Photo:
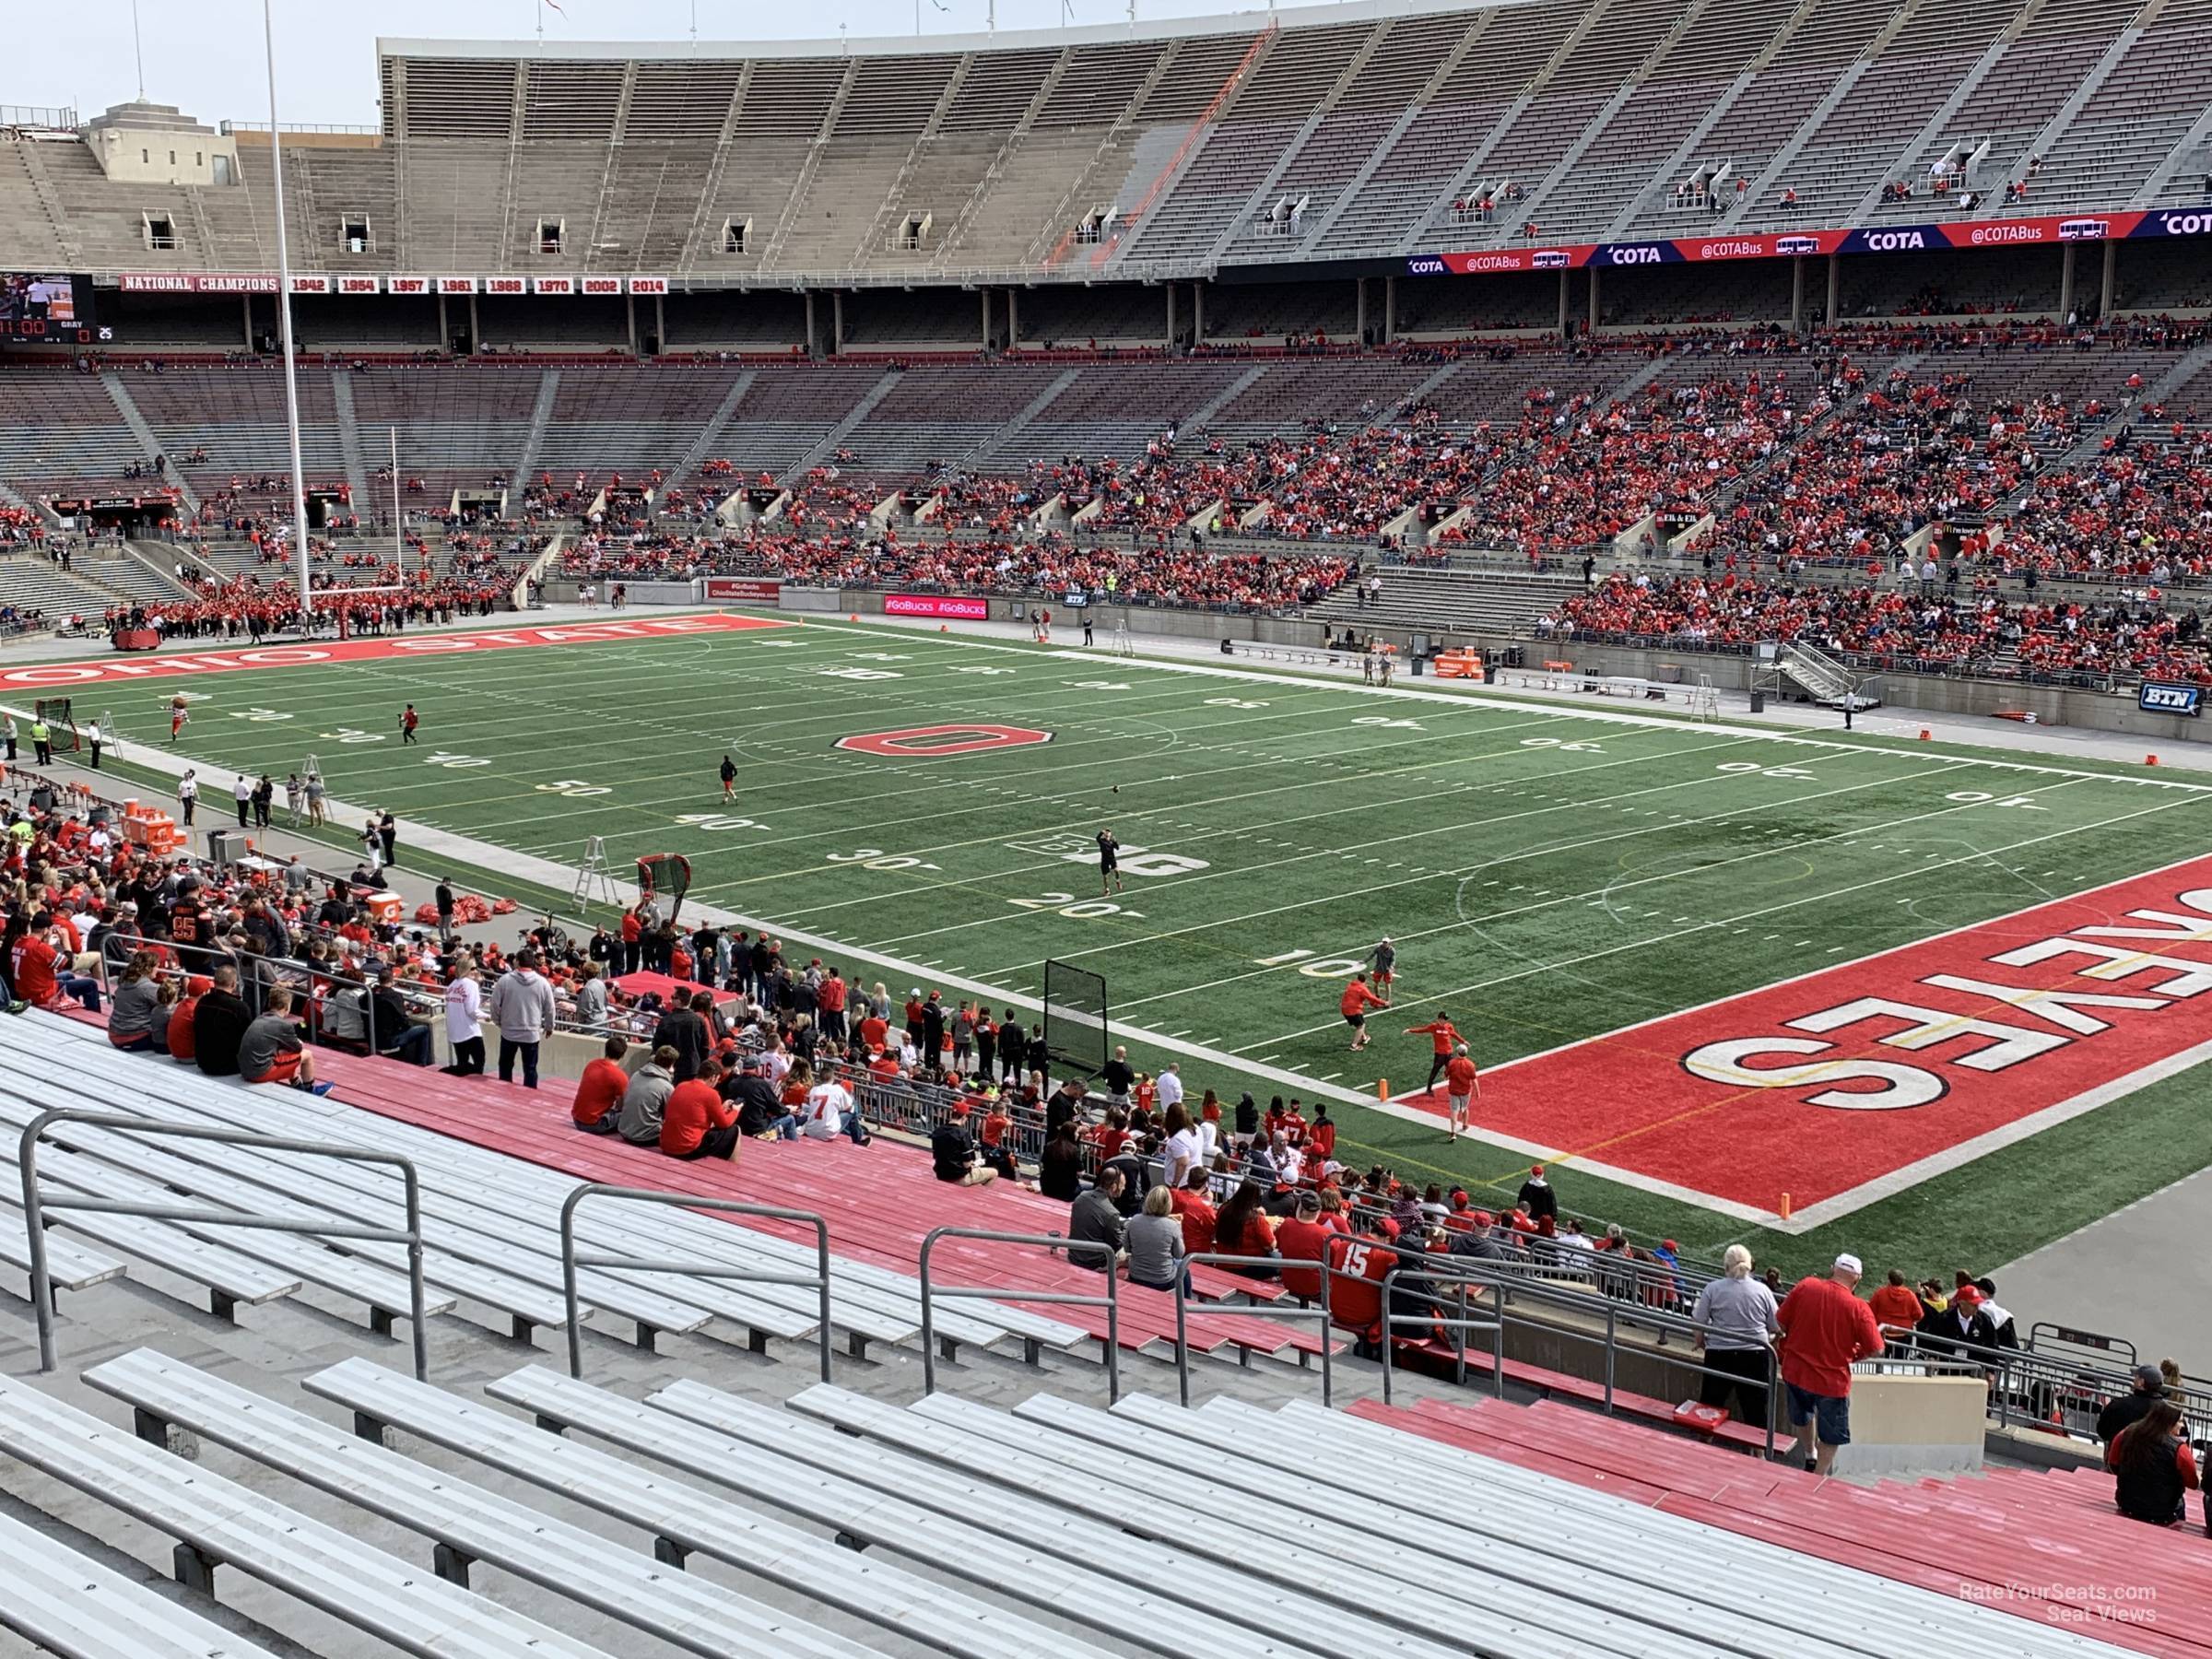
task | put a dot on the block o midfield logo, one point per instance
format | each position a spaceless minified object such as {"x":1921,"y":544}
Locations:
{"x":927,"y":742}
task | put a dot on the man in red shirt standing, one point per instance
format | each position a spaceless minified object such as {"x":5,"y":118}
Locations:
{"x":1358,"y":999}
{"x":1442,"y":1034}
{"x":1460,"y":1084}
{"x":696,"y":1123}
{"x":1825,"y":1327}
{"x":830,"y":1000}
{"x":1303,"y":1239}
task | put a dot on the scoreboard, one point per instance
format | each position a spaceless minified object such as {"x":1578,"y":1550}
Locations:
{"x":48,"y":306}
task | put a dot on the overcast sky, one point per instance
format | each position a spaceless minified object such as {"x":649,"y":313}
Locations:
{"x":205,"y":55}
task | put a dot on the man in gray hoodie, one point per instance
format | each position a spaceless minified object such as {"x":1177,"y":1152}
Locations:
{"x":521,"y":1006}
{"x":646,"y":1099}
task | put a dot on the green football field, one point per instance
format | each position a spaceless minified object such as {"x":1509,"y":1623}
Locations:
{"x":1549,"y":873}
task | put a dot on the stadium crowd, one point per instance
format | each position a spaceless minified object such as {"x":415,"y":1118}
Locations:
{"x":2062,"y":642}
{"x":1051,"y":565}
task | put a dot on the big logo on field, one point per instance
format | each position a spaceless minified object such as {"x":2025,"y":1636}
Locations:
{"x":923,"y":741}
{"x":1850,"y":1084}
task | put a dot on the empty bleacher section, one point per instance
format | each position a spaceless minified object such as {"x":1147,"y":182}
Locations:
{"x":457,"y":425}
{"x":630,"y":420}
{"x":235,"y":415}
{"x":1172,"y":149}
{"x":61,"y":434}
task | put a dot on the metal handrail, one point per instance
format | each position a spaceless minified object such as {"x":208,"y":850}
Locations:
{"x":1053,"y":1242}
{"x":1459,"y":1328}
{"x":570,"y":1261}
{"x":1507,"y":1280}
{"x":2027,"y":1386}
{"x":297,"y":973}
{"x":35,"y":1209}
{"x":1316,"y":1312}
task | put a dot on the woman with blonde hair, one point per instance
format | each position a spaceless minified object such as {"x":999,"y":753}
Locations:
{"x":1155,"y":1242}
{"x":1737,"y":1323}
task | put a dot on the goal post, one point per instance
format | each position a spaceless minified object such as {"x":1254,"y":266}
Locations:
{"x":52,"y":712}
{"x":666,"y":876}
{"x":1077,"y":1040}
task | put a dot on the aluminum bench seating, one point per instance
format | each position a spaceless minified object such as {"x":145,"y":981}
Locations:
{"x":1177,"y":1503}
{"x":870,"y":1305}
{"x":216,"y":1523}
{"x":1288,"y":1616}
{"x":73,"y":1266}
{"x":529,"y":1193}
{"x":469,"y":1523}
{"x":457,"y":1259}
{"x":232,"y":1279}
{"x":331,"y":1185}
{"x":470,"y":1239}
{"x":979,"y":1548}
{"x":71,"y":1606}
{"x":150,"y":1174}
{"x":685,"y":1520}
{"x":1600,"y":1526}
{"x":1635,"y":1584}
{"x":879,"y":1209}
{"x":490,"y":1183}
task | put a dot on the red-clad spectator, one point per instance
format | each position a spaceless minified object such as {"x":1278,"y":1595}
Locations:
{"x":696,"y":1123}
{"x":598,"y":1100}
{"x":1826,"y":1328}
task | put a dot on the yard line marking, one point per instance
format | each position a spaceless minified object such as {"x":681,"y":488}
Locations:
{"x":1488,"y":700}
{"x":1643,"y":881}
{"x":1517,"y":857}
{"x":1364,"y":807}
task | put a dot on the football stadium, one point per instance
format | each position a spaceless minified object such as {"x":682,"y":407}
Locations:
{"x":1424,"y":774}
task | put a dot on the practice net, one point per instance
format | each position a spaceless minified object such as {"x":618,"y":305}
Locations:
{"x":666,"y":876}
{"x":53,"y":714}
{"x":1074,"y":1019}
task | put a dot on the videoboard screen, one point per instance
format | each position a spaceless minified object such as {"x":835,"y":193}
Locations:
{"x":48,"y":305}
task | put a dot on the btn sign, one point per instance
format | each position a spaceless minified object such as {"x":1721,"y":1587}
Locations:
{"x":2169,"y":697}
{"x":922,"y":742}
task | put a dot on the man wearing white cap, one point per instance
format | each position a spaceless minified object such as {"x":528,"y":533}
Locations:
{"x":1825,"y":1328}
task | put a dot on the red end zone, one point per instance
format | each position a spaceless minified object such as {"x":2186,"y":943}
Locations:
{"x":62,"y":676}
{"x":1847,"y":1084}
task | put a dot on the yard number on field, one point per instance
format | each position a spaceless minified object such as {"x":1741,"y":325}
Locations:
{"x":1319,"y":967}
{"x":1746,"y":767}
{"x":719,"y":820}
{"x":1067,"y":904}
{"x":1977,"y":797}
{"x":1561,"y":744}
{"x":875,"y":858}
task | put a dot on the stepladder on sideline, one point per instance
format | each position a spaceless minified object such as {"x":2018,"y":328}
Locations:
{"x":594,"y":881}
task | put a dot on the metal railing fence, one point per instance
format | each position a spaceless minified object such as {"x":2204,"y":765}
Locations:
{"x":1055,"y":1243}
{"x":37,"y":1208}
{"x":570,"y":1261}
